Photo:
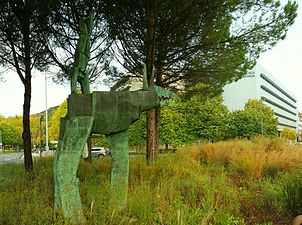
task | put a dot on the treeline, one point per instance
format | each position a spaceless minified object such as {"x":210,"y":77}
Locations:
{"x":12,"y":128}
{"x":194,"y":120}
{"x":189,"y":121}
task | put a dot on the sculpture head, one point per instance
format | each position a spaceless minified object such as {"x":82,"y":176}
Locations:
{"x":162,"y":94}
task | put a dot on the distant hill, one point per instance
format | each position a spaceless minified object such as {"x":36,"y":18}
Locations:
{"x":50,"y":112}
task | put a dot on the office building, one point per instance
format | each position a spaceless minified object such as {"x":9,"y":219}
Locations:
{"x":299,"y":126}
{"x":260,"y":84}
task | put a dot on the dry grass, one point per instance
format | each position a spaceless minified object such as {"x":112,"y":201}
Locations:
{"x":254,"y":158}
{"x":228,"y":183}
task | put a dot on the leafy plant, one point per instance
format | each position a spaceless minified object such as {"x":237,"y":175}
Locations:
{"x":256,"y":119}
{"x":293,"y":193}
{"x":289,"y":134}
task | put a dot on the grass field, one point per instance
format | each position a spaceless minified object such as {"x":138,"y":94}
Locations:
{"x":256,"y":181}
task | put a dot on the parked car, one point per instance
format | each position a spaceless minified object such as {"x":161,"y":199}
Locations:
{"x":98,"y":152}
{"x":35,"y":154}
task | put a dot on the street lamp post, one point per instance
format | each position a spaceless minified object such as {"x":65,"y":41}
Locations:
{"x":41,"y":132}
{"x":46,"y":117}
{"x":0,"y":140}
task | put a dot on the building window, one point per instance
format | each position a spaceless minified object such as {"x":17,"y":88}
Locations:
{"x":277,"y":87}
{"x":277,"y":96}
{"x":277,"y":105}
{"x":286,"y":125}
{"x":285,"y":117}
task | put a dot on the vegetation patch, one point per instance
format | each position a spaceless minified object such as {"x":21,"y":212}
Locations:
{"x":255,"y":181}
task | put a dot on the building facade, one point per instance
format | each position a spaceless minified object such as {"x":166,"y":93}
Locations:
{"x":300,"y":126}
{"x":260,"y":84}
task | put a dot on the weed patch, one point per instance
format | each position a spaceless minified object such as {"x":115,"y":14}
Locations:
{"x":256,"y":181}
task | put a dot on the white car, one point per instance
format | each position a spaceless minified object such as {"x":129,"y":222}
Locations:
{"x":35,"y":154}
{"x":98,"y":152}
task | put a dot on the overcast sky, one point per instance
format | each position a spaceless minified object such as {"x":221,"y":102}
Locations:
{"x":284,"y":62}
{"x":12,"y":91}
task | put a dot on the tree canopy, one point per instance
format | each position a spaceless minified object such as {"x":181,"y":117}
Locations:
{"x":256,"y":119}
{"x":289,"y":134}
{"x":10,"y":135}
{"x":195,"y":41}
{"x":194,"y":120}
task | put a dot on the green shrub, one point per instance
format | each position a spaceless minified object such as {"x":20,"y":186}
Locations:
{"x":293,"y":193}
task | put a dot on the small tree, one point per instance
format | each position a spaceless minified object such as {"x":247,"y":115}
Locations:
{"x":289,"y":134}
{"x":207,"y":120}
{"x":138,"y":133}
{"x":10,"y":135}
{"x":194,"y":119}
{"x":256,"y":119}
{"x":173,"y":126}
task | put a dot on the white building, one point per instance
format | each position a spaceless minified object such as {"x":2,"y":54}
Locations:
{"x":300,"y":126}
{"x":260,"y":84}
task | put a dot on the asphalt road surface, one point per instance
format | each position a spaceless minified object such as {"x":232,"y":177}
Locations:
{"x":11,"y":157}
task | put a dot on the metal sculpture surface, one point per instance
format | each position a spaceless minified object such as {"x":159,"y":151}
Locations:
{"x":109,"y":113}
{"x":78,"y":72}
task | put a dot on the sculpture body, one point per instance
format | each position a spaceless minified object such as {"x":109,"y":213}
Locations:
{"x":109,"y":113}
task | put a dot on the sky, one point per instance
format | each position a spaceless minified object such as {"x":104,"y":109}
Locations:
{"x":12,"y":91}
{"x":283,"y":61}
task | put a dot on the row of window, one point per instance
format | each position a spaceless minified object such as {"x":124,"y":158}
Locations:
{"x":282,"y":116}
{"x":277,"y":96}
{"x":286,"y":125}
{"x":277,"y":87}
{"x":281,"y":99}
{"x":285,"y":117}
{"x":277,"y":105}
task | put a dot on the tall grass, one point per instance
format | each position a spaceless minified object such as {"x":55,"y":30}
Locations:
{"x":253,"y":158}
{"x":228,"y":183}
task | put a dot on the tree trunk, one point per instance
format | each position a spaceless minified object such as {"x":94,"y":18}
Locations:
{"x":152,"y":134}
{"x":151,"y":143}
{"x":153,"y":117}
{"x":27,"y":99}
{"x":28,"y":162}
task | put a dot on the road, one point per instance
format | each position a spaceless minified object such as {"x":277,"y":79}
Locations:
{"x":14,"y":157}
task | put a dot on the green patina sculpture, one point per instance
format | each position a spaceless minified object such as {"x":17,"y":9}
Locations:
{"x":78,"y":72}
{"x":109,"y":113}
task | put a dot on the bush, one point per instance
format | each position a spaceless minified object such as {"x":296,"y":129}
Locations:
{"x":289,"y":134}
{"x":293,"y":193}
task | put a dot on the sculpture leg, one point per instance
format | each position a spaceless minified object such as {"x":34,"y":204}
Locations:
{"x":85,"y":84}
{"x":118,"y":144}
{"x":55,"y":165}
{"x":67,"y":197}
